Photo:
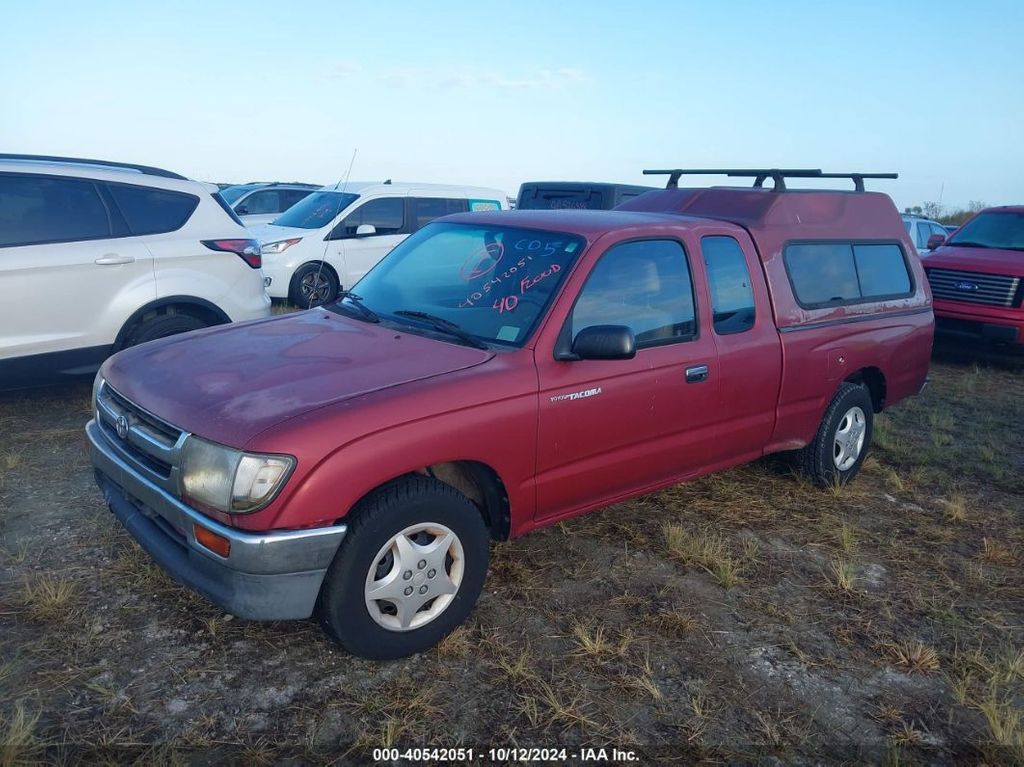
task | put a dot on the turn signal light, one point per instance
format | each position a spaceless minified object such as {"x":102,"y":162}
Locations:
{"x":218,"y":544}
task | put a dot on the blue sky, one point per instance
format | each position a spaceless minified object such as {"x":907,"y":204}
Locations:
{"x":502,"y":92}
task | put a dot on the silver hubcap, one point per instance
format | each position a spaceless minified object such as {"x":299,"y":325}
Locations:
{"x":414,"y":577}
{"x":315,"y":287}
{"x":849,"y":438}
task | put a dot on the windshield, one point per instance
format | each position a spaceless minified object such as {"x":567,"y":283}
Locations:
{"x":493,"y":282}
{"x":992,"y":230}
{"x":232,"y":193}
{"x":316,"y":211}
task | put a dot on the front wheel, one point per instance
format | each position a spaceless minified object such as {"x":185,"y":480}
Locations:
{"x":313,"y":285}
{"x":838,"y":449}
{"x":409,"y":570}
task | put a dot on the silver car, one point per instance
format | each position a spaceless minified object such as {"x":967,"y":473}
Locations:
{"x":261,"y":203}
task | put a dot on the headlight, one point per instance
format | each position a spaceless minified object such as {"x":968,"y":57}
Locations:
{"x":272,"y":248}
{"x":97,"y":383}
{"x":219,"y":478}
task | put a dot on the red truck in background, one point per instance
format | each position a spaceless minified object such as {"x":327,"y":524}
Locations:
{"x":977,"y":278}
{"x":498,"y":372}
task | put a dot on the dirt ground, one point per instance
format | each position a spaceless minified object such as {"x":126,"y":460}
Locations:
{"x":744,"y":617}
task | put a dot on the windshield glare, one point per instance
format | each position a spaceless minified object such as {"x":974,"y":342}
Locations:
{"x":316,"y":210}
{"x":992,"y":230}
{"x":492,"y":281}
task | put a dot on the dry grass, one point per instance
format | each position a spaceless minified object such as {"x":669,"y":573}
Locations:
{"x":18,"y":740}
{"x":842,"y":576}
{"x":48,"y":597}
{"x":914,"y":655}
{"x":456,"y":645}
{"x":996,"y":553}
{"x":956,"y":507}
{"x":607,"y":629}
{"x":706,"y":550}
{"x":1004,"y":723}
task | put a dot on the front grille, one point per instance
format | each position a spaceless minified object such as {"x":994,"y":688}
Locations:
{"x":974,"y":287}
{"x":150,"y":443}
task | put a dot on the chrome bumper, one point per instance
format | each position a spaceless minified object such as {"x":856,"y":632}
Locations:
{"x":266,"y":576}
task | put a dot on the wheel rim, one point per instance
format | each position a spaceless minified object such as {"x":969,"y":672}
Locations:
{"x":849,"y":440}
{"x":315,"y":287}
{"x":414,"y":577}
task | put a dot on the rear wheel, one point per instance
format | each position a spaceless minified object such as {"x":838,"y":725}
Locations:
{"x":838,"y":449}
{"x":408,"y":572}
{"x":168,"y":323}
{"x":313,"y":285}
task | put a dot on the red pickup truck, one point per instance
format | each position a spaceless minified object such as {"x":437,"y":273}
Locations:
{"x":977,"y":277}
{"x":499,"y":372}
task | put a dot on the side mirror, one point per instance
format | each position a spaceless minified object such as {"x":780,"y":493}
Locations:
{"x":365,"y":229}
{"x":935,"y":241}
{"x":241,"y":210}
{"x":605,"y":342}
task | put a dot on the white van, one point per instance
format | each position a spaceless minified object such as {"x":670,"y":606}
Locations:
{"x":328,"y":241}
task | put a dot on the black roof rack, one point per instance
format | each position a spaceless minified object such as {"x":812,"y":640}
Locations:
{"x":147,"y":169}
{"x":760,"y":175}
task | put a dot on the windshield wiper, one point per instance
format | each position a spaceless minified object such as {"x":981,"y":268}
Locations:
{"x":445,"y":326}
{"x":357,"y":301}
{"x":968,"y":244}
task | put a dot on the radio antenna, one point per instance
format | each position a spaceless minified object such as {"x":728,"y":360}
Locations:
{"x":327,"y":242}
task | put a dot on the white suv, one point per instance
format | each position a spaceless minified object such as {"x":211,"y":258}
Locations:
{"x":96,"y":256}
{"x":329,"y":240}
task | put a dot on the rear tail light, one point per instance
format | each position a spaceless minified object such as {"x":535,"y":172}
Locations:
{"x":247,"y":250}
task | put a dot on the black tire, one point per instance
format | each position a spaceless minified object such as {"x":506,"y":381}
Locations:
{"x":818,"y":459}
{"x":169,"y":323}
{"x":342,"y":607}
{"x":313,"y":285}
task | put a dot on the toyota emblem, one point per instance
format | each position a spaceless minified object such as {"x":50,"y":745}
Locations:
{"x":122,"y":427}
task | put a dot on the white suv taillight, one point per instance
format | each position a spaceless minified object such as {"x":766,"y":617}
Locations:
{"x":247,"y":250}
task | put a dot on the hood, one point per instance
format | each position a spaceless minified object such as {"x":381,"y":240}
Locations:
{"x":987,"y":260}
{"x":271,"y":233}
{"x":229,"y":383}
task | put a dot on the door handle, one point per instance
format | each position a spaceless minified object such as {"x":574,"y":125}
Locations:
{"x":696,"y":374}
{"x":113,"y":258}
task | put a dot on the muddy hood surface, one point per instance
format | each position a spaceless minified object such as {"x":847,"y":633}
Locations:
{"x":230,"y":383}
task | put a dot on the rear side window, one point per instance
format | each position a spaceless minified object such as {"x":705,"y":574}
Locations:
{"x":426,"y":209}
{"x":40,"y":209}
{"x":386,"y":215}
{"x":881,"y":270}
{"x":644,"y":285}
{"x":732,"y":296}
{"x":260,"y":203}
{"x":832,"y":273}
{"x":153,"y":211}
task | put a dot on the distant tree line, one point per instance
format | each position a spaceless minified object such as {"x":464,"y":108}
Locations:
{"x":943,"y":214}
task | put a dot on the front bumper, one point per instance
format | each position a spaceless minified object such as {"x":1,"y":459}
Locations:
{"x":266,"y":576}
{"x":978,"y":330}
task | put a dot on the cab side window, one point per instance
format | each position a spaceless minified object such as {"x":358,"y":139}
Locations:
{"x":40,"y":209}
{"x":386,"y":215}
{"x":732,"y":296}
{"x":644,"y":285}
